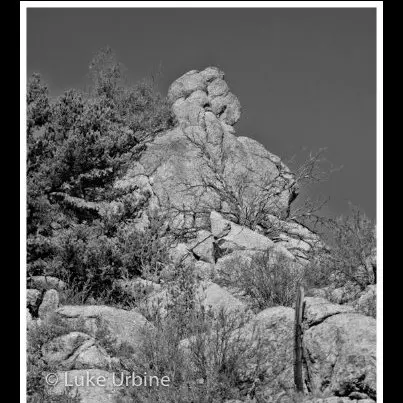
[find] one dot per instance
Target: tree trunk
(298, 350)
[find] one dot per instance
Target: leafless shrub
(200, 350)
(350, 256)
(253, 196)
(267, 279)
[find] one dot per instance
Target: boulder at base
(124, 326)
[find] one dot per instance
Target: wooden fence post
(298, 348)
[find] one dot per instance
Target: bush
(90, 260)
(201, 351)
(266, 279)
(143, 252)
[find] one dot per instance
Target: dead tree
(298, 347)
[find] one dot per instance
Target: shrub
(201, 351)
(201, 368)
(77, 146)
(90, 260)
(143, 252)
(266, 279)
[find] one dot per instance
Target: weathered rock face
(341, 350)
(270, 336)
(200, 165)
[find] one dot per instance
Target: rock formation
(202, 166)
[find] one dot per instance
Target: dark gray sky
(306, 78)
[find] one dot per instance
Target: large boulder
(269, 341)
(124, 326)
(75, 350)
(232, 237)
(341, 354)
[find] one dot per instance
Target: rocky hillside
(214, 312)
